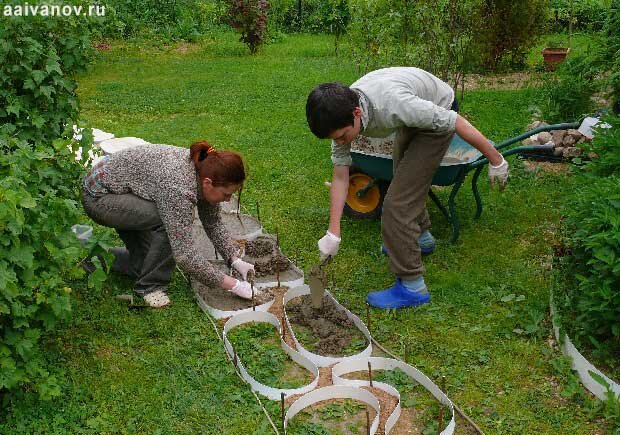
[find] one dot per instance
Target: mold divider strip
(320, 360)
(378, 363)
(335, 392)
(269, 392)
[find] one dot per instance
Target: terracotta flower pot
(552, 56)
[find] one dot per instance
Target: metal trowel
(318, 281)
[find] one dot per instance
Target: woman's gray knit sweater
(166, 175)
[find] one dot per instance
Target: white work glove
(243, 289)
(328, 245)
(499, 174)
(243, 267)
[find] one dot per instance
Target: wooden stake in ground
(282, 406)
(367, 422)
(253, 303)
(370, 374)
(258, 213)
(440, 418)
(406, 351)
(283, 328)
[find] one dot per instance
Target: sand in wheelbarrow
(374, 145)
(326, 331)
(225, 300)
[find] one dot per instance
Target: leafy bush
(590, 302)
(39, 190)
(38, 58)
(249, 17)
(162, 19)
(317, 16)
(435, 35)
(586, 15)
(510, 29)
(566, 95)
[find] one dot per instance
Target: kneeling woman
(148, 194)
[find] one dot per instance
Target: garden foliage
(38, 58)
(435, 35)
(160, 19)
(315, 16)
(590, 302)
(249, 18)
(39, 185)
(567, 94)
(583, 15)
(509, 29)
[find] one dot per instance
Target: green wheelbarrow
(371, 174)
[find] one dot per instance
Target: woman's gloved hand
(243, 268)
(499, 174)
(243, 289)
(328, 245)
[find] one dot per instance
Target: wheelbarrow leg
(438, 203)
(474, 188)
(454, 220)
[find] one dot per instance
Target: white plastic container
(82, 232)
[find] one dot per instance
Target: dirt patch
(550, 167)
(517, 80)
(325, 331)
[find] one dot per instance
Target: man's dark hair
(330, 107)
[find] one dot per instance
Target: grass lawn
(164, 371)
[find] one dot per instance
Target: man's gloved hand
(243, 289)
(328, 245)
(243, 267)
(499, 174)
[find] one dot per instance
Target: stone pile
(564, 141)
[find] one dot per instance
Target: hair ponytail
(220, 166)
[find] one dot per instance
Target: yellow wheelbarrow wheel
(369, 203)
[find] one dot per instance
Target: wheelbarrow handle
(518, 150)
(563, 126)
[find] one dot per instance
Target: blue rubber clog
(397, 296)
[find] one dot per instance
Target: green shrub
(434, 35)
(510, 29)
(39, 190)
(39, 56)
(588, 15)
(566, 95)
(39, 256)
(317, 16)
(166, 20)
(591, 302)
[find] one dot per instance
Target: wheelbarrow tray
(459, 155)
(456, 164)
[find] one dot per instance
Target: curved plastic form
(377, 363)
(267, 391)
(320, 360)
